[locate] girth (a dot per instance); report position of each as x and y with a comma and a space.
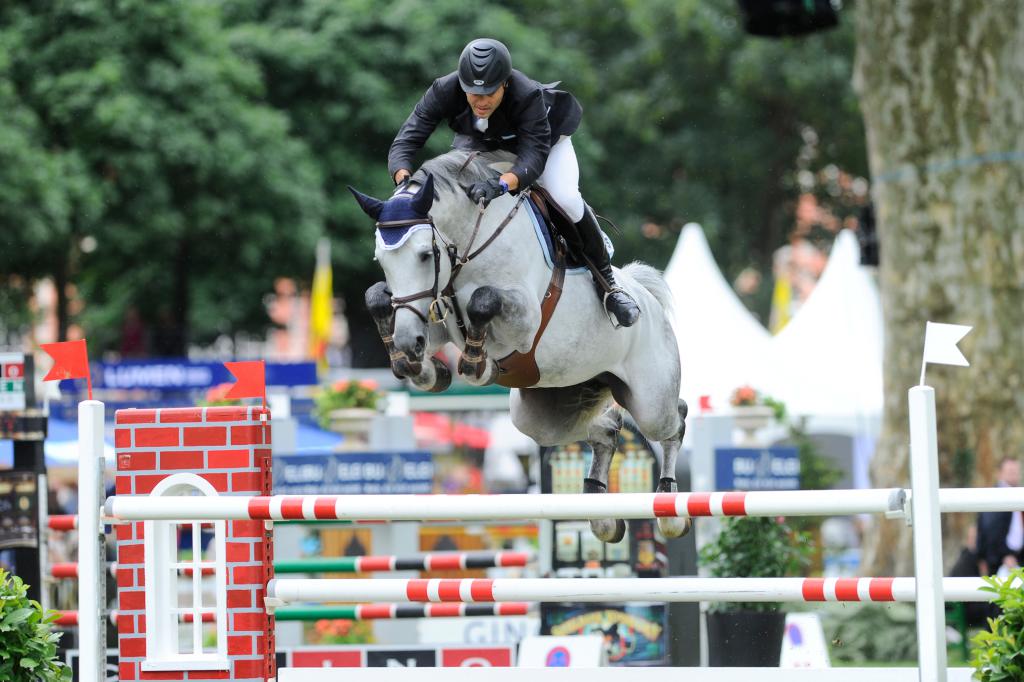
519, 370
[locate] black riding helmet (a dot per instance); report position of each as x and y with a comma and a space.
485, 64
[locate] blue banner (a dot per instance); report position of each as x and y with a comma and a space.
354, 473
776, 468
180, 375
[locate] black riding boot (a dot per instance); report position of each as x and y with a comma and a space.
616, 301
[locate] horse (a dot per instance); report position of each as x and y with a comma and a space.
479, 278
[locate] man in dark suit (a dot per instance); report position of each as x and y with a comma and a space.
1001, 534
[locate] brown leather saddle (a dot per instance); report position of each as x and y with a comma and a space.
519, 370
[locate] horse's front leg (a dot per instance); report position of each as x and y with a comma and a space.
433, 376
604, 439
489, 306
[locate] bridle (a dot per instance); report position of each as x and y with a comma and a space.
443, 300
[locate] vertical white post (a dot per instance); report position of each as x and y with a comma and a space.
92, 590
924, 481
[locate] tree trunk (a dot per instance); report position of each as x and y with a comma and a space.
940, 90
61, 277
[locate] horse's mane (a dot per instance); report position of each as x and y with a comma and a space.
449, 173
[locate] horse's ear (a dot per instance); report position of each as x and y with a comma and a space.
371, 207
424, 199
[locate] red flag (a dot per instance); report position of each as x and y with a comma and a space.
70, 361
252, 382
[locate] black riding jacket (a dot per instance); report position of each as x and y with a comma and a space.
530, 118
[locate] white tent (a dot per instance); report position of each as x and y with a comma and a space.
827, 362
721, 345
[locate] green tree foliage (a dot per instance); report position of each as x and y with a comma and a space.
688, 118
193, 190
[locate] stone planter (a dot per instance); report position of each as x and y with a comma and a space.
749, 419
354, 423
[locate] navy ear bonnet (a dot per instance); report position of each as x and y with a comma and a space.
411, 209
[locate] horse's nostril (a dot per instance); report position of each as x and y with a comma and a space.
421, 343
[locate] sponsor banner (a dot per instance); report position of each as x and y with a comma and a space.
399, 657
354, 473
776, 468
477, 631
634, 634
180, 375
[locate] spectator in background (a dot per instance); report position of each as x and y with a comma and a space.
1001, 534
133, 334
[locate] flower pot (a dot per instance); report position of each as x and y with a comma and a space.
745, 638
354, 424
750, 418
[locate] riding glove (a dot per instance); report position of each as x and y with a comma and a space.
486, 190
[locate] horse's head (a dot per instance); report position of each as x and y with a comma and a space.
410, 254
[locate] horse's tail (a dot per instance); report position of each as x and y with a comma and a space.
650, 278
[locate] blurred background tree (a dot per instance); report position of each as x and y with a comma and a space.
176, 157
179, 191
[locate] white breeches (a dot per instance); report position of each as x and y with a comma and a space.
561, 178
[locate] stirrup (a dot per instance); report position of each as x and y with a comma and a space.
611, 316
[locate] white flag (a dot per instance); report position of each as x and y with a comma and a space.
940, 345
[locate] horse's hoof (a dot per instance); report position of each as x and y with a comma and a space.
673, 528
670, 526
444, 376
609, 530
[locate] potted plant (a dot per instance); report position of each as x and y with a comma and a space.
348, 407
752, 411
750, 634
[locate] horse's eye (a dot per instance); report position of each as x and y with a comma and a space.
425, 256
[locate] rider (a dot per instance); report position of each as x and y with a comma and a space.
491, 106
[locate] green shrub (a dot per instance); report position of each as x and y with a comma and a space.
998, 654
755, 547
28, 646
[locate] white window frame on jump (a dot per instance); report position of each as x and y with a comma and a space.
162, 578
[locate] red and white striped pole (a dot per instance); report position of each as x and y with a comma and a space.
553, 507
282, 591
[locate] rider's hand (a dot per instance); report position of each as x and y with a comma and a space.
401, 175
486, 190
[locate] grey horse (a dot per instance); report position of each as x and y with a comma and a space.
478, 278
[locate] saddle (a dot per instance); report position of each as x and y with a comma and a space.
555, 223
